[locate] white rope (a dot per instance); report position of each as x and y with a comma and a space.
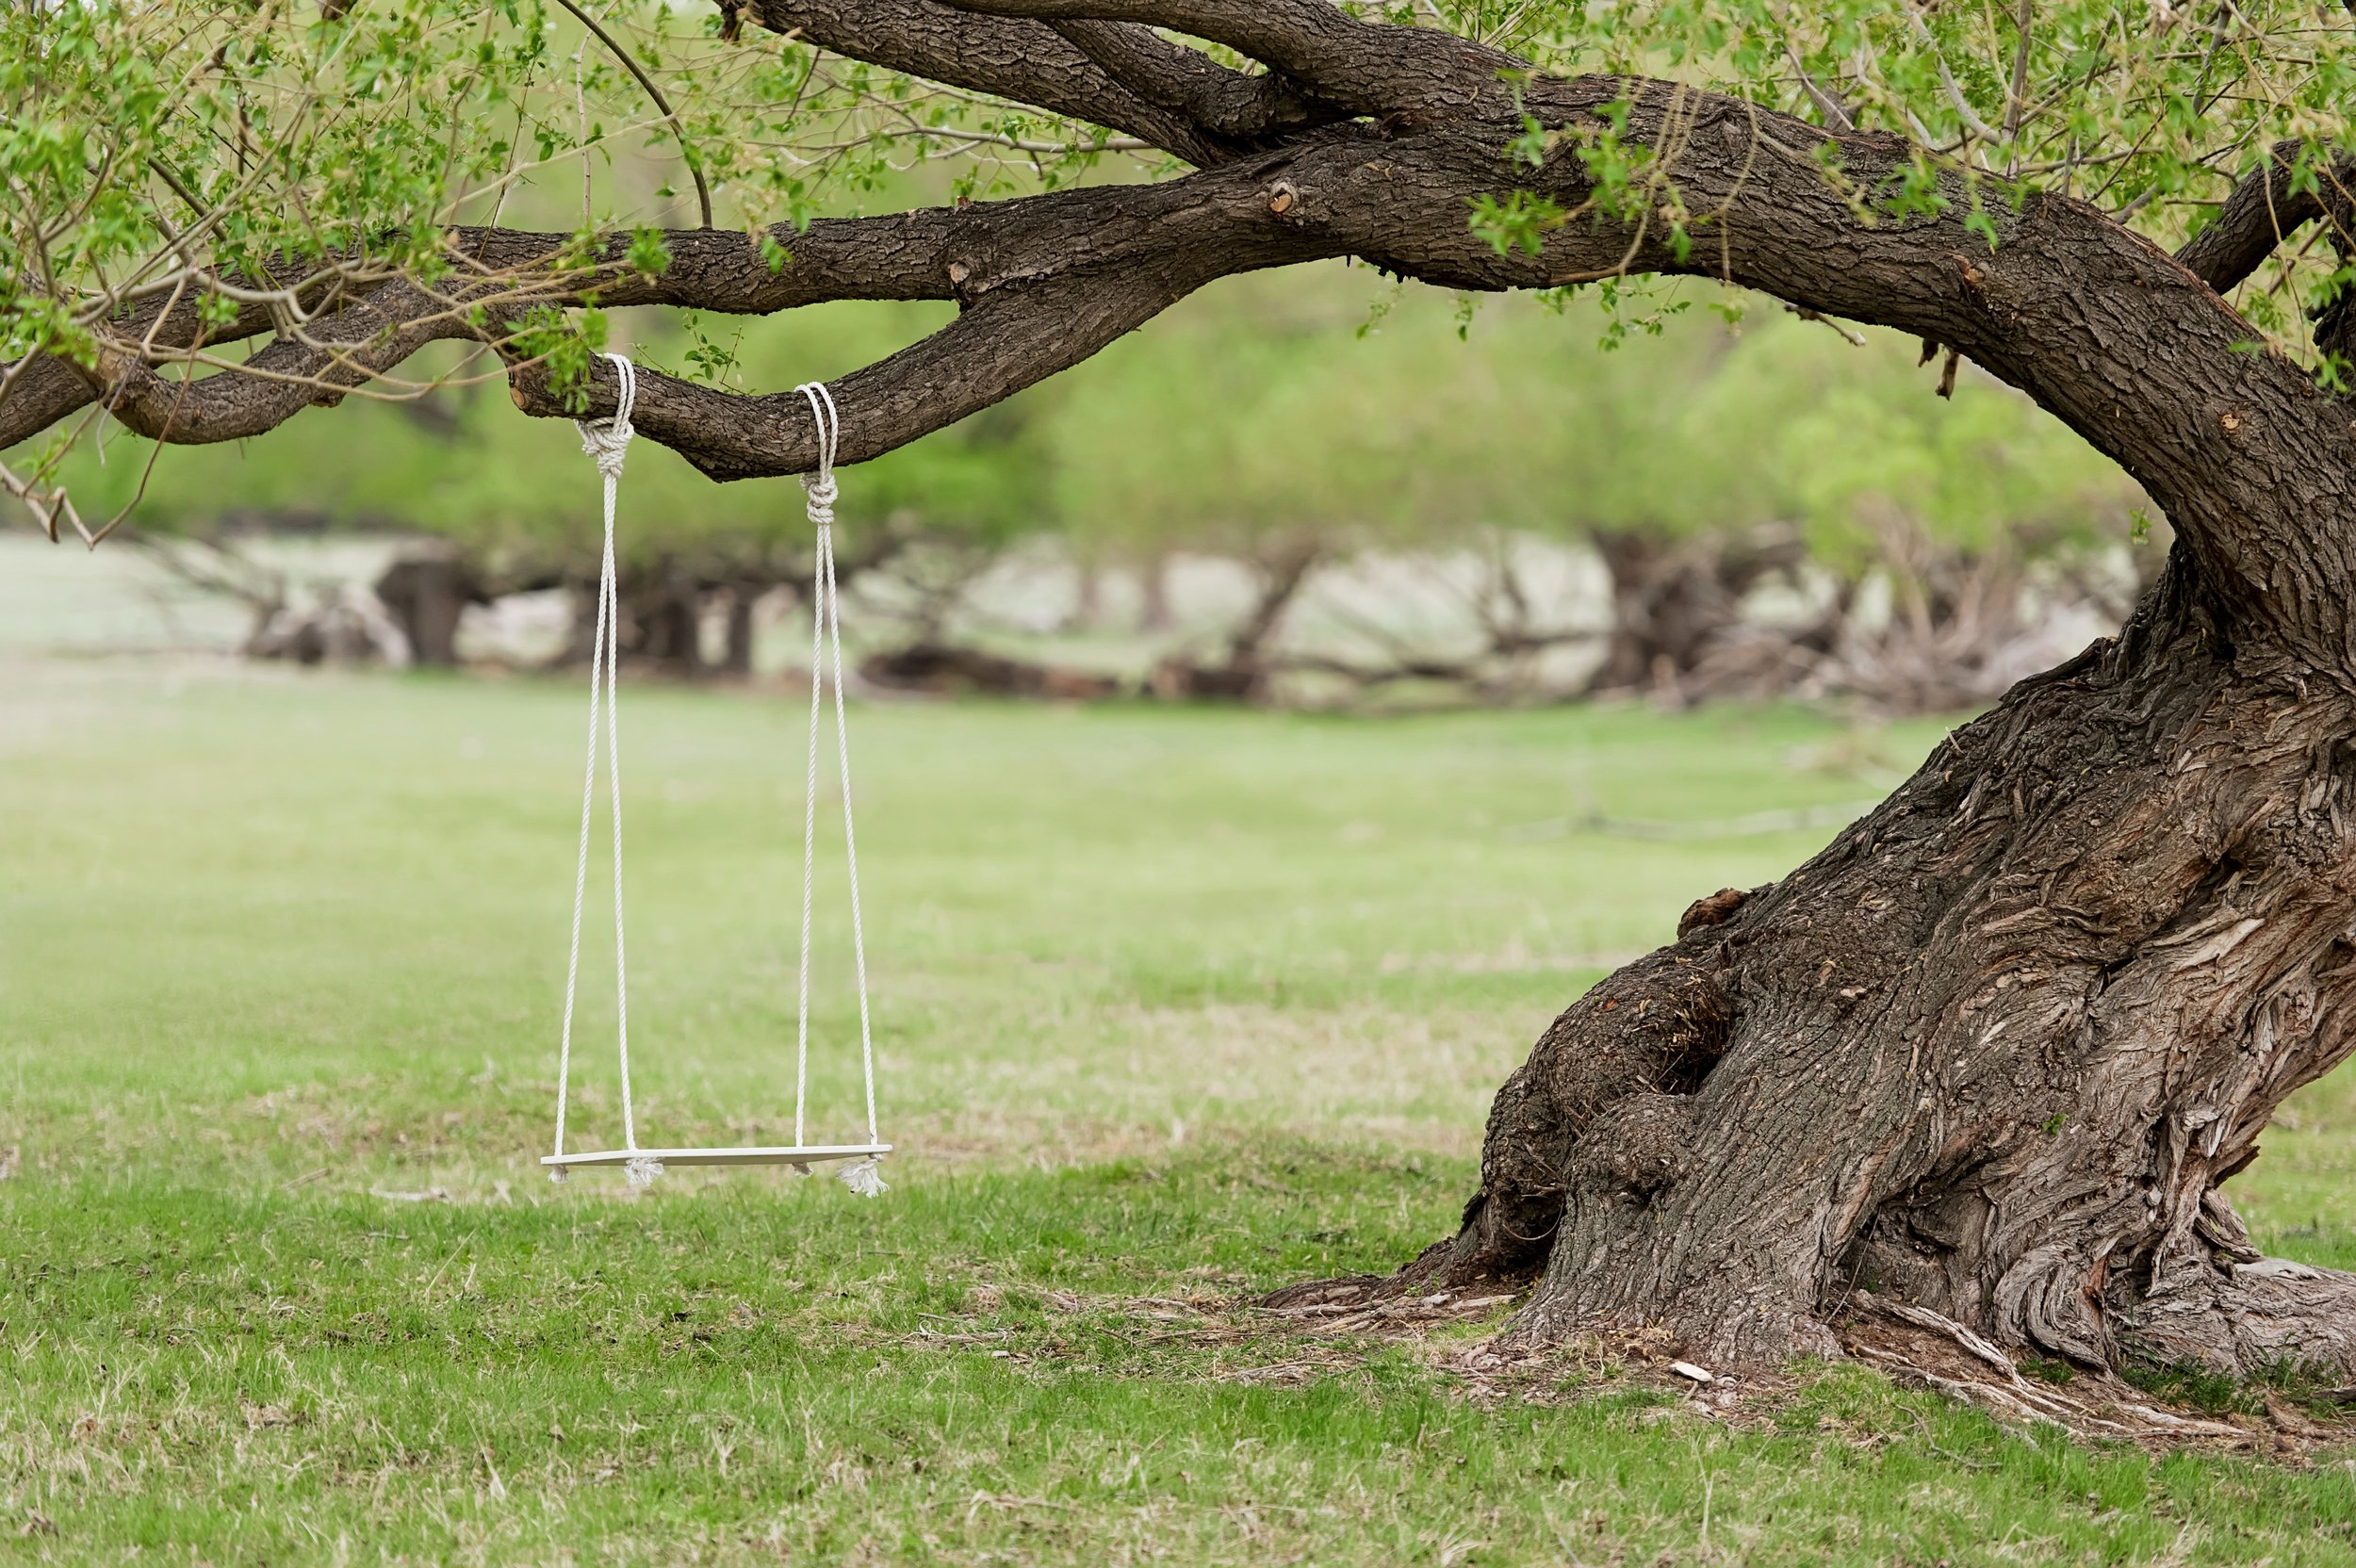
809, 789
608, 441
860, 1176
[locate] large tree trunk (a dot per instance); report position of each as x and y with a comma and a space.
1992, 1053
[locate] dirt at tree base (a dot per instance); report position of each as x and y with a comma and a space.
1913, 1348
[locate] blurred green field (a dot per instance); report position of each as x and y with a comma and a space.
1171, 1005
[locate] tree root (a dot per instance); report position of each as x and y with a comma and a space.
1931, 1350
1373, 1313
2251, 1314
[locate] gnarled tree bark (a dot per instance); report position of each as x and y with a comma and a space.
1991, 1053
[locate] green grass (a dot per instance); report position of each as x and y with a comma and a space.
1171, 1006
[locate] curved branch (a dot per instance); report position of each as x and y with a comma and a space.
629, 63
914, 256
985, 355
2098, 325
1372, 68
2265, 209
45, 391
50, 388
338, 351
2132, 350
1077, 270
1023, 60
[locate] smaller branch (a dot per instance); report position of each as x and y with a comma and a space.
1369, 68
1961, 104
1855, 339
179, 188
48, 506
1006, 58
2262, 212
629, 63
1836, 113
2015, 97
1171, 76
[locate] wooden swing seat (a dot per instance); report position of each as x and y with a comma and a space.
807, 1154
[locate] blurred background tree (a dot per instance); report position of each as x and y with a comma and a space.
1408, 497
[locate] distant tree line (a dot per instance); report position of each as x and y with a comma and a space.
1772, 506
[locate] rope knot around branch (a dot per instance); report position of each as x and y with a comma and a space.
829, 420
608, 440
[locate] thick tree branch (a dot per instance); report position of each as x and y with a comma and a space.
48, 389
1369, 67
337, 351
989, 353
2132, 350
45, 391
1007, 57
1046, 283
2241, 451
910, 257
1171, 76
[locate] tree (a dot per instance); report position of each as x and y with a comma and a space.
1979, 517
1995, 1051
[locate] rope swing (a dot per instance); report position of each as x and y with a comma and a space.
608, 442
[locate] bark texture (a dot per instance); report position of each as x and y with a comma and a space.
1990, 1053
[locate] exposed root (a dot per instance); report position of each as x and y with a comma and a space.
1328, 1327
1373, 1315
1313, 1295
1921, 1347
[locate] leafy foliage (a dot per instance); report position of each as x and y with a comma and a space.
1247, 419
255, 157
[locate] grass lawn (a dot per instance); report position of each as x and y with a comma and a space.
1171, 1006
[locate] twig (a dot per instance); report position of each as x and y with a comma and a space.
1855, 340
695, 165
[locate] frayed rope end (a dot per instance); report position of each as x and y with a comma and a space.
863, 1177
560, 1174
643, 1170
